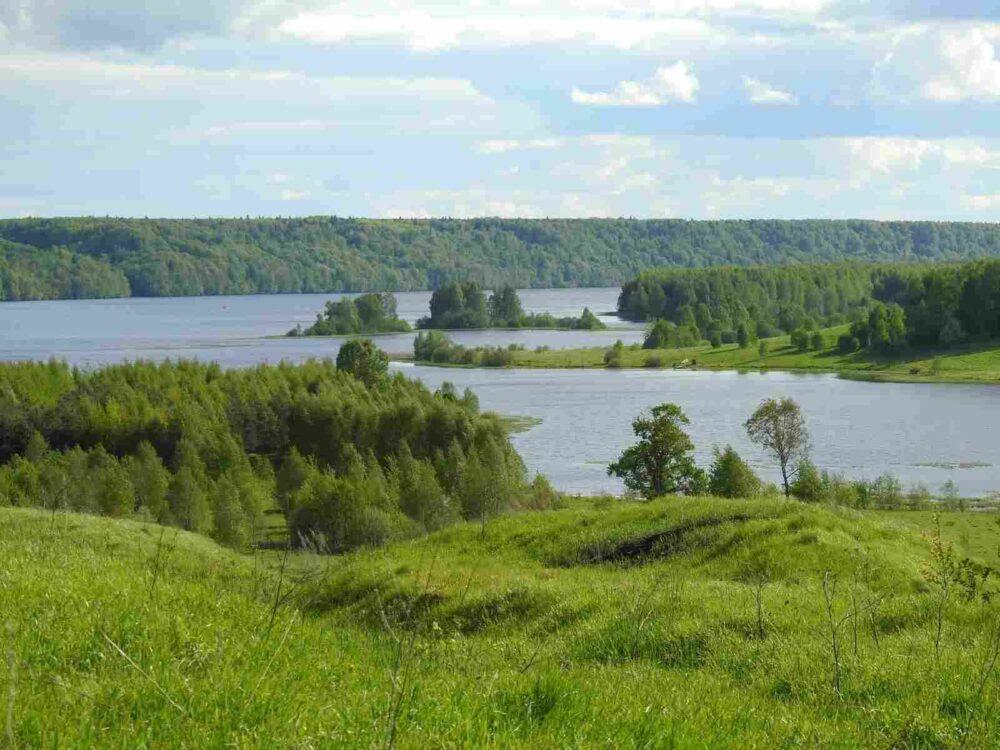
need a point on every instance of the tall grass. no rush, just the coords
(676, 623)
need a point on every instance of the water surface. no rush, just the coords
(918, 432)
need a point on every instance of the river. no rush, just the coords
(926, 433)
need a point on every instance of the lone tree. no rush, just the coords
(362, 359)
(778, 426)
(660, 463)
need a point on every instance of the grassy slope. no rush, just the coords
(524, 639)
(976, 532)
(969, 364)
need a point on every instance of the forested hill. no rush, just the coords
(93, 257)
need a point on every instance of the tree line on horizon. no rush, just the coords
(66, 258)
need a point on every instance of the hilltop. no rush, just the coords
(676, 623)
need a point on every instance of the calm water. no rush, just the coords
(920, 433)
(234, 331)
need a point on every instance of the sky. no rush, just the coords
(882, 109)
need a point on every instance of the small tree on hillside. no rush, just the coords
(362, 359)
(730, 476)
(779, 427)
(660, 463)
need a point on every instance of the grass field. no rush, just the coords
(973, 364)
(678, 623)
(977, 533)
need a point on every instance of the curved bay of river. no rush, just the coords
(925, 433)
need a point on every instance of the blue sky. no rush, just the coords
(654, 108)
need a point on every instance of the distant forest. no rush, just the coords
(94, 257)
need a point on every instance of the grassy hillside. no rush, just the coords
(965, 363)
(599, 625)
(102, 257)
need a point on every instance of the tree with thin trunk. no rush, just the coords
(779, 427)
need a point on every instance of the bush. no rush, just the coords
(730, 476)
(808, 484)
(800, 339)
(816, 341)
(653, 361)
(848, 343)
(613, 356)
(362, 359)
(887, 492)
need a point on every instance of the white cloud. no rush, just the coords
(987, 202)
(759, 92)
(503, 146)
(424, 31)
(888, 155)
(944, 63)
(671, 83)
(150, 80)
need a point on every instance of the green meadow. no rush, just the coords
(684, 623)
(962, 363)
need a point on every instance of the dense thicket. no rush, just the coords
(211, 450)
(374, 312)
(94, 257)
(765, 299)
(463, 304)
(937, 305)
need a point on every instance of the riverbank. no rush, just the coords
(962, 364)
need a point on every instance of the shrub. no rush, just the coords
(362, 359)
(800, 339)
(887, 492)
(848, 343)
(808, 484)
(730, 476)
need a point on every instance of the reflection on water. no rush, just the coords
(919, 432)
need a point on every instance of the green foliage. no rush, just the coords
(362, 359)
(660, 463)
(368, 313)
(107, 257)
(505, 307)
(808, 484)
(613, 355)
(460, 305)
(213, 451)
(759, 301)
(731, 476)
(779, 427)
(884, 330)
(846, 343)
(664, 334)
(800, 339)
(435, 347)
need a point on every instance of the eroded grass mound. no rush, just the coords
(678, 623)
